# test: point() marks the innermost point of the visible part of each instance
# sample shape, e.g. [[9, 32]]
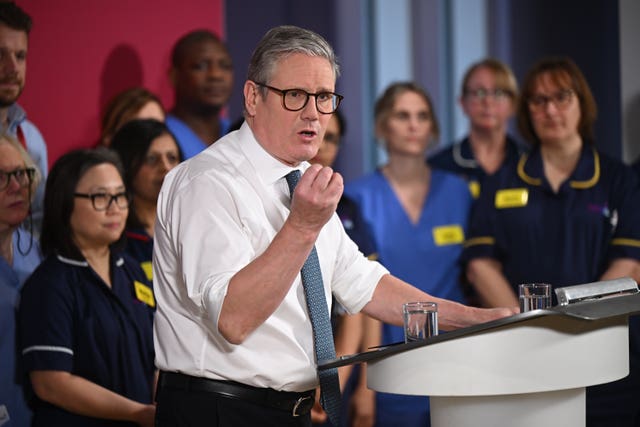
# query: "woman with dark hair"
[[563, 214], [86, 313], [148, 151]]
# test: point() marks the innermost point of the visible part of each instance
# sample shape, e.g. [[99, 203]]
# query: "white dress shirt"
[[216, 213]]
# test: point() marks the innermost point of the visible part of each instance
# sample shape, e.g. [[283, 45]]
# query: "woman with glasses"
[[148, 151], [417, 216], [19, 256], [87, 311], [488, 97], [563, 214]]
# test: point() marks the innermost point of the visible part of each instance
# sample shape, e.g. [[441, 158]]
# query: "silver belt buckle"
[[302, 404]]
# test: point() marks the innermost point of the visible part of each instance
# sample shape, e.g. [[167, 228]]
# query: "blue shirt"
[[189, 142], [13, 406], [70, 320], [458, 158]]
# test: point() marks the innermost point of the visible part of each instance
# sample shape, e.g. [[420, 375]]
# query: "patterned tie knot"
[[292, 180]]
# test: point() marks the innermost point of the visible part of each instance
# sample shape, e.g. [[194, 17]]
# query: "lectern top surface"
[[586, 310]]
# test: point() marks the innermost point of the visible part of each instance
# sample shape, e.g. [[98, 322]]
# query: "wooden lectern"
[[527, 370]]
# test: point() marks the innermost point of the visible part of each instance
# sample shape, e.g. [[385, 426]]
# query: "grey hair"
[[285, 40]]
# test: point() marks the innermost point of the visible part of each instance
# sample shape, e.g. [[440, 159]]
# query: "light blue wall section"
[[393, 43], [469, 44]]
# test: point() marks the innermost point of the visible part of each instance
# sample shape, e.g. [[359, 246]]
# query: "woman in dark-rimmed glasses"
[[563, 214], [19, 256], [86, 313]]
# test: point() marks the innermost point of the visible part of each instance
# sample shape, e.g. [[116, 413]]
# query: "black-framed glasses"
[[102, 201], [23, 176], [297, 99], [481, 94], [561, 100]]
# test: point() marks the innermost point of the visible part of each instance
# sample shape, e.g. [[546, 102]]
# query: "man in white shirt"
[[234, 340]]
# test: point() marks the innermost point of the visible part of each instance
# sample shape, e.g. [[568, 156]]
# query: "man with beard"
[[202, 77], [15, 25]]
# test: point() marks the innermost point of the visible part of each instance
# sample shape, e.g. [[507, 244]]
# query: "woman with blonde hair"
[[488, 97], [19, 256], [418, 218]]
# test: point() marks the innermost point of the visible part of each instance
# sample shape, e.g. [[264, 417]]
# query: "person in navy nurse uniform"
[[148, 151], [86, 313], [563, 214]]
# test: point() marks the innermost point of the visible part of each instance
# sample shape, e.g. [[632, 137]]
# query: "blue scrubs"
[[458, 158], [189, 142], [423, 254], [70, 320], [13, 405], [564, 238]]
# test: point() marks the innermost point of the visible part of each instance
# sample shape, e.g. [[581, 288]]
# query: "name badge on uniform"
[[147, 267], [144, 293], [512, 198], [448, 235], [474, 189]]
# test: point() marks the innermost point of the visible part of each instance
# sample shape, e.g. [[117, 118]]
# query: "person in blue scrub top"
[[19, 256], [148, 151], [488, 97], [563, 214], [418, 216], [86, 313], [202, 78]]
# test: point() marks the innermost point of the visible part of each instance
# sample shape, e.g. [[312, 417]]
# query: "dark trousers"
[[180, 408]]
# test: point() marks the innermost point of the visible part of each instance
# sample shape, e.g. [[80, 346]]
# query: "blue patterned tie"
[[321, 324]]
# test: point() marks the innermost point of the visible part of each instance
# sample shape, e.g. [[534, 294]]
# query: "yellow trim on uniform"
[[626, 242], [579, 185], [582, 185], [523, 175], [484, 240]]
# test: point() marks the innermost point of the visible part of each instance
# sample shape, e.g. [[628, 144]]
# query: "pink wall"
[[81, 53]]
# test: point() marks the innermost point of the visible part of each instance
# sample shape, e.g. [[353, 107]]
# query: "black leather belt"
[[296, 403]]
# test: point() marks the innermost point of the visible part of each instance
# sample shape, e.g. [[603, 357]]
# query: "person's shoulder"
[[364, 181], [51, 273], [442, 156]]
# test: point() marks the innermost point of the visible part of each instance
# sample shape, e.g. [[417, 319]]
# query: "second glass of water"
[[534, 296]]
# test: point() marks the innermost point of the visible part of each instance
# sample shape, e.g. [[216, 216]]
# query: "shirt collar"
[[585, 175], [463, 154], [268, 168], [15, 116], [84, 263]]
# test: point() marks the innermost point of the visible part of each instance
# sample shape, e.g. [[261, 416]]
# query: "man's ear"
[[251, 96]]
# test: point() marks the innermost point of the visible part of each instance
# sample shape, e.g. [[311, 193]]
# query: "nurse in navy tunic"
[[87, 312], [563, 214]]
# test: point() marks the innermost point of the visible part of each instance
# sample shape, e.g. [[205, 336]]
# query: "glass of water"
[[534, 296], [420, 320]]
